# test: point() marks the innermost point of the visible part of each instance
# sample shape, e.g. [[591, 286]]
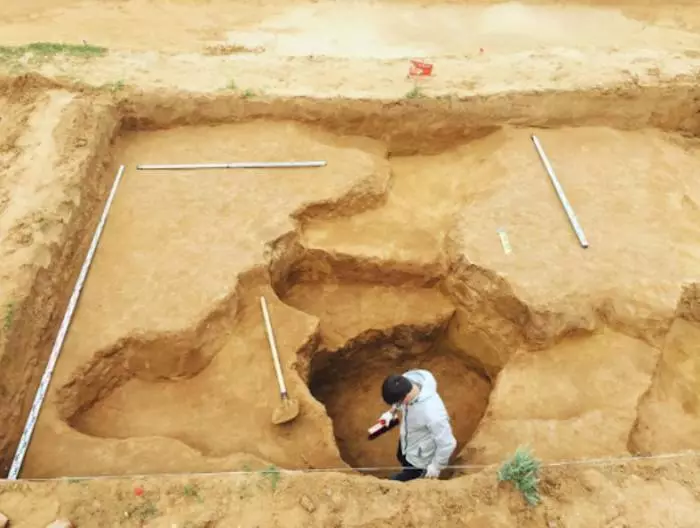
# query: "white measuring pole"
[[560, 192], [240, 165], [60, 338]]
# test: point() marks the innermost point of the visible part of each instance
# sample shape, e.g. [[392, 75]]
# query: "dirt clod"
[[61, 523], [307, 504]]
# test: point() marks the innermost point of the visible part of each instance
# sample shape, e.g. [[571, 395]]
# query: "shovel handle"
[[273, 347]]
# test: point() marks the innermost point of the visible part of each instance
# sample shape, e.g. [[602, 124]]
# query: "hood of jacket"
[[427, 382]]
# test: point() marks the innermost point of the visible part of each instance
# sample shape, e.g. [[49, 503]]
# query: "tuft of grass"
[[190, 490], [9, 316], [46, 50], [415, 93], [115, 86], [272, 473], [231, 85], [248, 94], [523, 470]]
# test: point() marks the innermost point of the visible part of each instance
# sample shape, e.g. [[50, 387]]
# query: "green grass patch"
[[415, 93], [523, 471], [114, 87], [191, 491], [44, 50], [273, 474], [9, 316]]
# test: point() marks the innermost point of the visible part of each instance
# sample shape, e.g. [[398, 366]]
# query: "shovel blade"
[[287, 411]]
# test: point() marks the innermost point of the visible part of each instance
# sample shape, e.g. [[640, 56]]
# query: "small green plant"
[[523, 470], [231, 85], [272, 473], [114, 87], [9, 316], [190, 490], [44, 50], [248, 94], [414, 93]]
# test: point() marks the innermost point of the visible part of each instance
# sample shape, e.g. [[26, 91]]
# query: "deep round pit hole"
[[348, 382]]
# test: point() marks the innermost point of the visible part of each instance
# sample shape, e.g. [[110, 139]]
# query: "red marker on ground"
[[138, 491], [419, 68]]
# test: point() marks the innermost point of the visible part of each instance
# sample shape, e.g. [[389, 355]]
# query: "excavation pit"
[[349, 387], [389, 323], [381, 261]]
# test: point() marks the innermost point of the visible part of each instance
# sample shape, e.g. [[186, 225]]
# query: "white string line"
[[375, 469]]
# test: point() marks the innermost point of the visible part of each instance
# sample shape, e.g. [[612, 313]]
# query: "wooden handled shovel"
[[289, 408]]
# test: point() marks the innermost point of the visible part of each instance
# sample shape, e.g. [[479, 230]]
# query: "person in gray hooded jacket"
[[426, 440]]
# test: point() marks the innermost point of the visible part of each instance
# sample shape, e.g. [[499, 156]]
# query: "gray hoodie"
[[426, 434]]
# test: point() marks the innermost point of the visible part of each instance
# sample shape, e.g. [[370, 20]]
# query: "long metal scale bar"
[[238, 165], [60, 338], [560, 192]]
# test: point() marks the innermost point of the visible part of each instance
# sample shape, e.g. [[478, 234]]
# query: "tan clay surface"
[[322, 49], [377, 31], [593, 386], [387, 258]]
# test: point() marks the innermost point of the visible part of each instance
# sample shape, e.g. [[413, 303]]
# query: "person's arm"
[[446, 444]]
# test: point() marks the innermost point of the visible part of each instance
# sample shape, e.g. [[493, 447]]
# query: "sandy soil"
[[321, 49], [385, 259]]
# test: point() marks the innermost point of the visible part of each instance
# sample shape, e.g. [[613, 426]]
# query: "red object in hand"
[[138, 491], [380, 428]]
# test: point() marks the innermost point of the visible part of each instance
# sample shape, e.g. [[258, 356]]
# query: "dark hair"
[[395, 388]]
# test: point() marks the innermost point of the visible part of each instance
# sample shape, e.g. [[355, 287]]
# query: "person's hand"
[[387, 417], [432, 472]]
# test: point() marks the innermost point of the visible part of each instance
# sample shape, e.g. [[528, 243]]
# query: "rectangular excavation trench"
[[166, 367]]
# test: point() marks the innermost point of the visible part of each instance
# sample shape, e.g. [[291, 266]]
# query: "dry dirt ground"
[[386, 258]]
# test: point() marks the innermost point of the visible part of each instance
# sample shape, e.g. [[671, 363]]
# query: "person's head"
[[395, 389]]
